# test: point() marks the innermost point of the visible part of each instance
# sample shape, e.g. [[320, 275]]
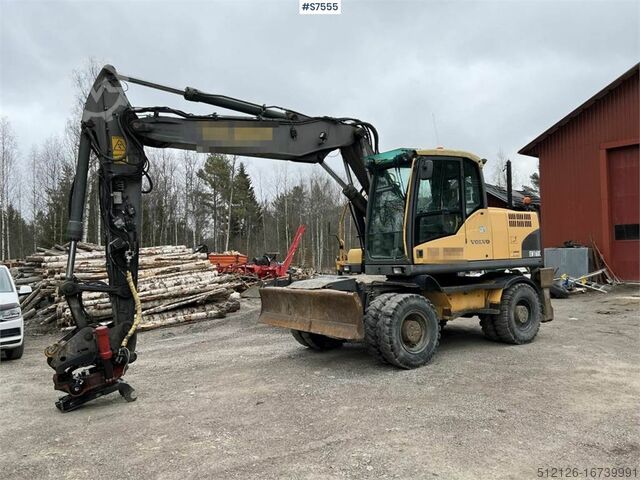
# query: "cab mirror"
[[426, 170]]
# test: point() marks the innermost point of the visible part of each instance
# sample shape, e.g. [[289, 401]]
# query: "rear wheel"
[[558, 291], [408, 331], [15, 353], [520, 315], [488, 328], [316, 341]]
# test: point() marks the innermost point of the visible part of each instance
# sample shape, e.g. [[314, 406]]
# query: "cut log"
[[24, 303], [188, 316], [215, 294], [174, 284]]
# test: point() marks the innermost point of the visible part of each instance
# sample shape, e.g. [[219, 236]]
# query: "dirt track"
[[231, 399]]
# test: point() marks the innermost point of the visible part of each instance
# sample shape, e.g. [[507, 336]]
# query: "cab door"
[[437, 231], [478, 241]]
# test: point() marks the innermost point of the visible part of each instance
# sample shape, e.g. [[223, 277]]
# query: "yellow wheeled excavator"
[[347, 261], [431, 248]]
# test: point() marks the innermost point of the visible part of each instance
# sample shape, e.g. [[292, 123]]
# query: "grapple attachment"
[[328, 312]]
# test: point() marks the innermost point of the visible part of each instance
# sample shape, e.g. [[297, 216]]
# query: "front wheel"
[[408, 331], [315, 341]]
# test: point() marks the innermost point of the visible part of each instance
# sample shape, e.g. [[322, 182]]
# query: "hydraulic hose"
[[138, 315]]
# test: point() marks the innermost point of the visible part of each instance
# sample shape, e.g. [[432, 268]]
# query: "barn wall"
[[573, 168]]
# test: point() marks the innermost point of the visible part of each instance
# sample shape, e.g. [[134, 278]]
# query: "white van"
[[11, 323]]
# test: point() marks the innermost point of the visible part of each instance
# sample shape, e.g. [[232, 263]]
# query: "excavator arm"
[[91, 359]]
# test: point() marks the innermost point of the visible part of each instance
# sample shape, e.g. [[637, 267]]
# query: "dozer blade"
[[328, 312]]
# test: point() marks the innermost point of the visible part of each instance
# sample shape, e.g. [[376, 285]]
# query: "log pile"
[[175, 285]]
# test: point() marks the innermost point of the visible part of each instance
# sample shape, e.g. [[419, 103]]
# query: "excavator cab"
[[428, 214]]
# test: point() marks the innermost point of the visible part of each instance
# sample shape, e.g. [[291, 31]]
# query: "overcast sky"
[[492, 74]]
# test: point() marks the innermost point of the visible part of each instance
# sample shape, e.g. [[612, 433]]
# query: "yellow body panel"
[[354, 256], [452, 305], [488, 234]]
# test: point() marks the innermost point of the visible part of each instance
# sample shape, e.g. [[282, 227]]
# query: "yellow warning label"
[[119, 148]]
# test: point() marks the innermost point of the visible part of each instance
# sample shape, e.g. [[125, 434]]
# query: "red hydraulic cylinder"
[[102, 339]]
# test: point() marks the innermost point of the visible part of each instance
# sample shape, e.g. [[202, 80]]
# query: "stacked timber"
[[175, 286]]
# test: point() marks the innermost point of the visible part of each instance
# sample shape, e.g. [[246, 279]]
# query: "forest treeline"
[[196, 199]]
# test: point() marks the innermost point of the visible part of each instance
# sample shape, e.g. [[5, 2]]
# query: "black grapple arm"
[[90, 360]]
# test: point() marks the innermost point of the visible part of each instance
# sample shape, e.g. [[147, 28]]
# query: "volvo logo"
[[480, 242]]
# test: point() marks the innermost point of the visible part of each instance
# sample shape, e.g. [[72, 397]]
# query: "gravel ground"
[[232, 399]]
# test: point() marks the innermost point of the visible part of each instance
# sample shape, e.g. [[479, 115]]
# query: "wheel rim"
[[413, 332], [522, 314]]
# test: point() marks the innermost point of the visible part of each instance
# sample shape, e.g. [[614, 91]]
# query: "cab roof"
[[391, 156], [445, 152]]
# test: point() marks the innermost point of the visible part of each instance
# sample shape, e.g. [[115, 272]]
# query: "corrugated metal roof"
[[531, 150], [518, 195]]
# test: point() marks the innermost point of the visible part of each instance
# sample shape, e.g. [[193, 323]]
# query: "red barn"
[[590, 175]]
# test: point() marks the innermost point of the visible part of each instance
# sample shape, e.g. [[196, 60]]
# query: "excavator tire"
[[371, 319], [520, 315], [408, 330], [488, 328], [315, 341], [297, 334]]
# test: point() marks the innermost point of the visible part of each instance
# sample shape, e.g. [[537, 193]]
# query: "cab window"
[[472, 186], [439, 203], [385, 235]]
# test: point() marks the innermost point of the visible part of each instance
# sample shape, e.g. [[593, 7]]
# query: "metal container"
[[572, 261]]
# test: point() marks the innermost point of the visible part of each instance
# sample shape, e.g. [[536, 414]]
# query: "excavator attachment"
[[325, 311]]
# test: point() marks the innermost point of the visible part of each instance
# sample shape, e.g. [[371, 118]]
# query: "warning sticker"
[[119, 148]]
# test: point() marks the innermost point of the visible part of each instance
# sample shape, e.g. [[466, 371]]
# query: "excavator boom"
[[90, 360]]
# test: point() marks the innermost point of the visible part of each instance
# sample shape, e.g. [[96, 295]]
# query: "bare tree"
[[194, 211], [233, 172], [190, 167], [8, 153], [83, 79], [497, 173], [35, 195]]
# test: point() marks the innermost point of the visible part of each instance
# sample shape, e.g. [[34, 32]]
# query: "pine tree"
[[246, 212], [216, 175]]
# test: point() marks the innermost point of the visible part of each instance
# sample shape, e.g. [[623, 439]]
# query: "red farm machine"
[[264, 267]]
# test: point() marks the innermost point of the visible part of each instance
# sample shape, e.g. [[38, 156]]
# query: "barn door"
[[624, 177]]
